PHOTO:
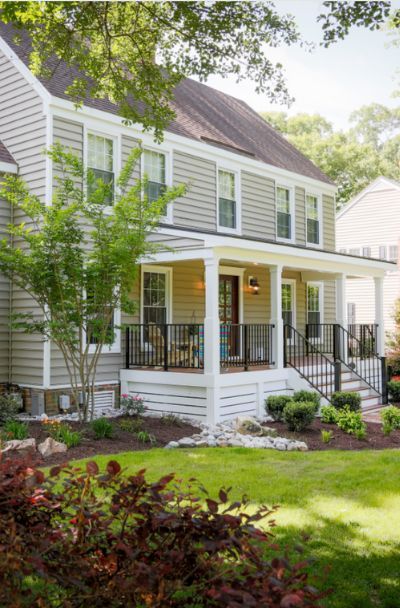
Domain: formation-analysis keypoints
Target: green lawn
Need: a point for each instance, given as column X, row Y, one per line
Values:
column 349, row 502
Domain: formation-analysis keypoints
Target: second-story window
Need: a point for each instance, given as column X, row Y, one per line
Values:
column 154, row 169
column 312, row 207
column 100, row 160
column 227, row 200
column 283, row 213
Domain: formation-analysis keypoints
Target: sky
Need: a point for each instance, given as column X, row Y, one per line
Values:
column 333, row 82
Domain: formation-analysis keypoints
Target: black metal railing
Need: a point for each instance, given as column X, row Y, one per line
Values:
column 164, row 345
column 304, row 356
column 246, row 345
column 360, row 359
column 323, row 334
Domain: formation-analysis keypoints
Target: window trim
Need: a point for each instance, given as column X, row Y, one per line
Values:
column 292, row 208
column 388, row 247
column 320, row 244
column 168, row 271
column 319, row 284
column 237, row 173
column 116, row 139
column 293, row 285
column 168, row 217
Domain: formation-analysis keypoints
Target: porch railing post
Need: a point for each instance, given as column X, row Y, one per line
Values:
column 384, row 380
column 338, row 376
column 337, row 348
column 127, row 345
column 246, row 354
column 165, row 336
column 285, row 334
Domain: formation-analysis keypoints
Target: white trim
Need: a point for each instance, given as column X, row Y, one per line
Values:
column 168, row 271
column 8, row 167
column 292, row 206
column 320, row 244
column 293, row 286
column 321, row 298
column 115, row 347
column 116, row 139
column 168, row 154
column 92, row 116
column 236, row 272
column 387, row 183
column 235, row 170
column 101, row 383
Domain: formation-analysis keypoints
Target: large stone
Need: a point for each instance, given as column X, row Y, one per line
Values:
column 187, row 442
column 171, row 445
column 247, row 425
column 19, row 445
column 50, row 446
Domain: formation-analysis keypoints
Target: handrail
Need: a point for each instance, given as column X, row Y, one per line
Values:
column 304, row 356
column 323, row 334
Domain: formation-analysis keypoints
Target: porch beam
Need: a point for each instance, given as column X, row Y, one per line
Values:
column 276, row 314
column 379, row 316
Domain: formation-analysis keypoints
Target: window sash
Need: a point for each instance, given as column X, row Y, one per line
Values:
column 393, row 253
column 100, row 153
column 154, row 297
column 313, row 299
column 284, row 225
column 227, row 213
column 382, row 252
column 312, row 231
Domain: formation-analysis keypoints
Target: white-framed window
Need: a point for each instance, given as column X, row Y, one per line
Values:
column 289, row 304
column 313, row 219
column 154, row 167
column 101, row 160
column 393, row 253
column 366, row 252
column 156, row 294
column 354, row 251
column 228, row 200
column 114, row 327
column 382, row 252
column 284, row 214
column 315, row 309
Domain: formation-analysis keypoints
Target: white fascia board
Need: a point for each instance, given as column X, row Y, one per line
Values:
column 370, row 188
column 25, row 72
column 8, row 167
column 307, row 259
column 179, row 255
column 67, row 109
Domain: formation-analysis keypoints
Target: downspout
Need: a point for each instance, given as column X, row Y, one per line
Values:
column 10, row 301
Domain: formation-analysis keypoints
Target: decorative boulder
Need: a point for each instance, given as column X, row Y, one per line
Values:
column 246, row 425
column 50, row 446
column 19, row 445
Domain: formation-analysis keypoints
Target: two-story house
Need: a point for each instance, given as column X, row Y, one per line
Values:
column 247, row 300
column 369, row 225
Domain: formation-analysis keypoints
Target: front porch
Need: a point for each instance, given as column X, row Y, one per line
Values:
column 218, row 333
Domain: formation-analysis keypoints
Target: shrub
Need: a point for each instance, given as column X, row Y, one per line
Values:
column 145, row 437
column 361, row 434
column 100, row 539
column 326, row 436
column 349, row 421
column 14, row 429
column 102, row 428
column 133, row 406
column 390, row 417
column 63, row 433
column 170, row 419
column 9, row 408
column 133, row 425
column 275, row 404
column 298, row 415
column 340, row 400
column 394, row 390
column 329, row 414
column 309, row 396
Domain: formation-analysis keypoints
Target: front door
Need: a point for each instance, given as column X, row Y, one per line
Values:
column 229, row 312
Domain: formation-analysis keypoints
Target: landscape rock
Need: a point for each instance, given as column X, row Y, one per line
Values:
column 187, row 442
column 172, row 445
column 247, row 425
column 50, row 446
column 19, row 445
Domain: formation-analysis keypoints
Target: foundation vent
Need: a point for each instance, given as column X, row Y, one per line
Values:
column 104, row 400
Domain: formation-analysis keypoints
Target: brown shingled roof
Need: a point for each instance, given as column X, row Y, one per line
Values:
column 5, row 156
column 202, row 113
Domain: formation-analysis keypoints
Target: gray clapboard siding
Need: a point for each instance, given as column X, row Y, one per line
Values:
column 328, row 221
column 300, row 215
column 5, row 216
column 258, row 206
column 23, row 131
column 198, row 207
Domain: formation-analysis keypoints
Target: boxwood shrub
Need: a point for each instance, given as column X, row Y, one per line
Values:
column 309, row 396
column 298, row 415
column 394, row 390
column 341, row 400
column 275, row 404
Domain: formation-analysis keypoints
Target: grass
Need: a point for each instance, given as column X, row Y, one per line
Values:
column 348, row 502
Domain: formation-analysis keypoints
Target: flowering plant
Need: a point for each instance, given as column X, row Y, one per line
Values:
column 132, row 405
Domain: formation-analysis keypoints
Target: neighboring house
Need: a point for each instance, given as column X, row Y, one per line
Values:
column 369, row 225
column 251, row 249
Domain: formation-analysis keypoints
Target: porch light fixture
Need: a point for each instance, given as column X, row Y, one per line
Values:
column 253, row 284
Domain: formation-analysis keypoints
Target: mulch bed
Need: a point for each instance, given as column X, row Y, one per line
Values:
column 375, row 440
column 123, row 441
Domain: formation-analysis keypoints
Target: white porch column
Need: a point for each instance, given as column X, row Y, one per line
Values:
column 276, row 313
column 379, row 316
column 341, row 305
column 211, row 321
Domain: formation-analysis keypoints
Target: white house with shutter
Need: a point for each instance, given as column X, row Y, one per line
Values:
column 369, row 226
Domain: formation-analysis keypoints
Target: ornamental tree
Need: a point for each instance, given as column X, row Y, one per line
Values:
column 78, row 259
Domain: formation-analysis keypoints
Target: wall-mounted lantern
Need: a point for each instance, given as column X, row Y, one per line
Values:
column 254, row 286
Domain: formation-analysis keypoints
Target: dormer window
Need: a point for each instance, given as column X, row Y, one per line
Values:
column 154, row 168
column 284, row 221
column 100, row 159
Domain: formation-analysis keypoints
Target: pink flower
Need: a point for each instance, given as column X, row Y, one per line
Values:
column 124, row 395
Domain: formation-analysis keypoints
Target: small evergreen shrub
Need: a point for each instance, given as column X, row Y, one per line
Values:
column 326, row 436
column 394, row 390
column 329, row 414
column 9, row 408
column 309, row 396
column 340, row 400
column 102, row 428
column 14, row 429
column 350, row 422
column 298, row 415
column 275, row 404
column 133, row 425
column 390, row 417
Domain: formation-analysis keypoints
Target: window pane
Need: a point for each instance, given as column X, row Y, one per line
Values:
column 154, row 190
column 393, row 253
column 382, row 252
column 284, row 225
column 312, row 231
column 154, row 166
column 226, row 185
column 227, row 213
column 108, row 179
column 154, row 297
column 312, row 207
column 286, row 297
column 366, row 252
column 313, row 295
column 283, row 200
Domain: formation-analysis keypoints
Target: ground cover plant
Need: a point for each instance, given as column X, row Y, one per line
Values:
column 346, row 502
column 100, row 538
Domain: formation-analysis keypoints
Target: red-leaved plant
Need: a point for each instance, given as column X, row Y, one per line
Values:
column 104, row 539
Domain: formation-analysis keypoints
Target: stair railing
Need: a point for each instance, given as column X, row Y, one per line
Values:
column 321, row 373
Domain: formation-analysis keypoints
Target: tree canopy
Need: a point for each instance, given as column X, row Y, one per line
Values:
column 352, row 158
